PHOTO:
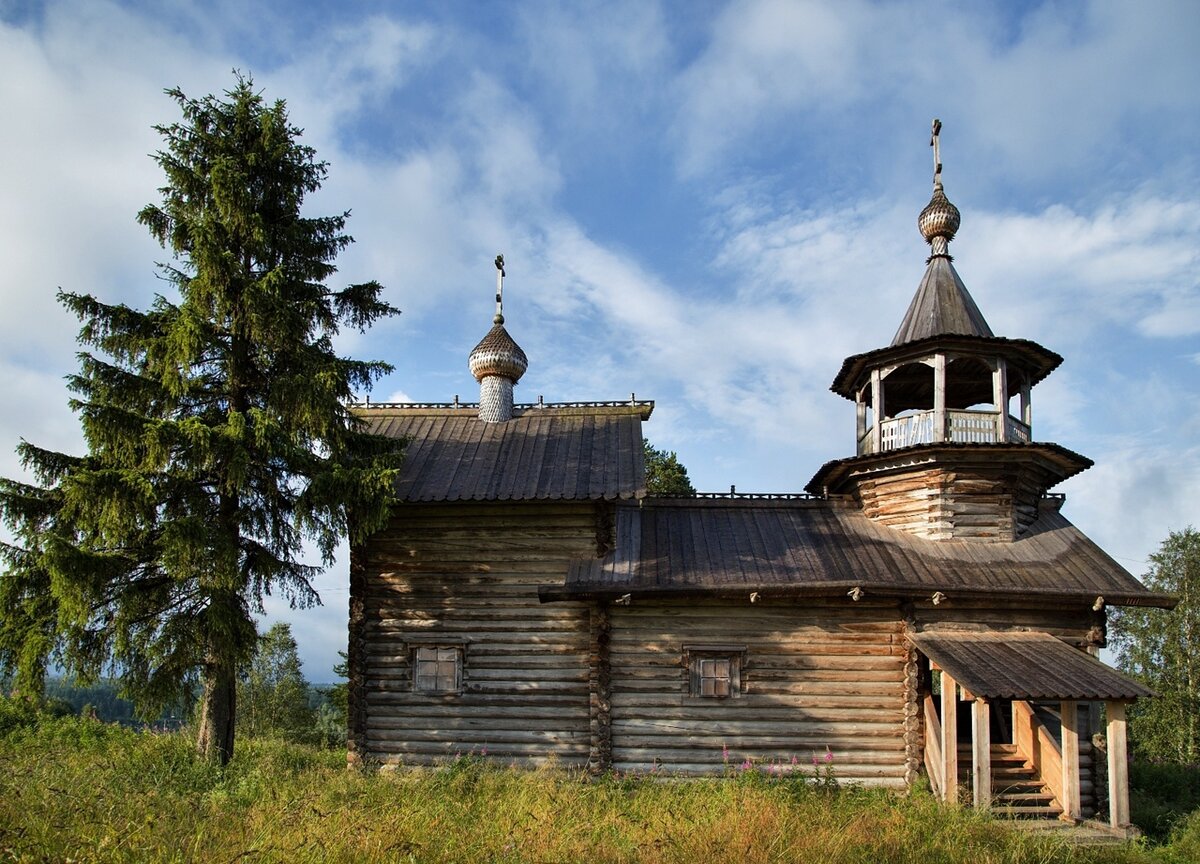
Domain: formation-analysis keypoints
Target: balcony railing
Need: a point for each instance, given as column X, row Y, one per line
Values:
column 962, row 427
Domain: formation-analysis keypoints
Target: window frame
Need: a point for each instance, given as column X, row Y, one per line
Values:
column 695, row 657
column 460, row 664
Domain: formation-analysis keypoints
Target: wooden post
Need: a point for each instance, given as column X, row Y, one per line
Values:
column 949, row 739
column 1118, row 766
column 1072, row 809
column 600, row 690
column 981, row 754
column 1026, row 408
column 356, row 659
column 877, row 409
column 860, row 425
column 939, row 397
column 1000, row 395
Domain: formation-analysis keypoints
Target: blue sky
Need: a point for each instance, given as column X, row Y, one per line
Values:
column 709, row 204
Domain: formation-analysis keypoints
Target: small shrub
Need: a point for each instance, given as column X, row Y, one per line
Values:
column 1184, row 847
column 17, row 713
column 1161, row 794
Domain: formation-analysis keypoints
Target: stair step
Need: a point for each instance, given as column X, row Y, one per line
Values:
column 1028, row 812
column 1003, row 773
column 1020, row 786
column 1025, row 798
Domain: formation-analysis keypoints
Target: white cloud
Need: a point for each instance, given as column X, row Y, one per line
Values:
column 767, row 60
column 594, row 62
column 350, row 69
column 1134, row 496
column 1038, row 95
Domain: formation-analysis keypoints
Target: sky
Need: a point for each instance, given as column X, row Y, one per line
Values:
column 708, row 204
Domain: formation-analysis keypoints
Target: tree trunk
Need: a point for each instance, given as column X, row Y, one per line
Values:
column 217, row 712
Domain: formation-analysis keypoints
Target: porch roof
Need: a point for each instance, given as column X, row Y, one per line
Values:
column 1024, row 665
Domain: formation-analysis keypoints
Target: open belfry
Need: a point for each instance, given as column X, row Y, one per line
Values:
column 922, row 608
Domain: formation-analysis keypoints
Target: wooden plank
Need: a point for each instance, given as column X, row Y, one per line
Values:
column 745, row 725
column 981, row 755
column 1072, row 809
column 933, row 747
column 466, row 738
column 767, row 706
column 949, row 742
column 876, row 409
column 1118, row 765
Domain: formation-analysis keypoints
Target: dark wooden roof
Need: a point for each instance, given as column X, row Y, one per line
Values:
column 942, row 306
column 1024, row 665
column 576, row 452
column 1049, row 463
column 797, row 548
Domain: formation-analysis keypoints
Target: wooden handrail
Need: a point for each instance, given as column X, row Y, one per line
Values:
column 933, row 747
column 1036, row 744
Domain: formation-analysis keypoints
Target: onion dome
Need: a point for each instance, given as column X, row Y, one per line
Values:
column 940, row 218
column 498, row 354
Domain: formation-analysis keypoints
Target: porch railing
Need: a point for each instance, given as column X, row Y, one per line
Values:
column 933, row 748
column 1035, row 742
column 962, row 427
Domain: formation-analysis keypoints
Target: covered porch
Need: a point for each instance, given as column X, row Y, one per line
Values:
column 1038, row 770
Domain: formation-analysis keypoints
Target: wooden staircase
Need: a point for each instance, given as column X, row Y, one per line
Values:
column 1016, row 790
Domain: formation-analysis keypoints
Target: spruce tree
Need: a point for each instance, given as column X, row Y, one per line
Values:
column 665, row 474
column 217, row 430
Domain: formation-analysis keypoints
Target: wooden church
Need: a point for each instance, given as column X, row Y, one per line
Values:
column 924, row 607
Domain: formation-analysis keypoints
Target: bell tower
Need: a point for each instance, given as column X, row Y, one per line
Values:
column 944, row 418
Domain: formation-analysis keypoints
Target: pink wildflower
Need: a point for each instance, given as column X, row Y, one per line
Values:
column 725, row 752
column 828, row 756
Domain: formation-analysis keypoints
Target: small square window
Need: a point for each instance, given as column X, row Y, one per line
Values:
column 714, row 672
column 437, row 669
column 715, row 675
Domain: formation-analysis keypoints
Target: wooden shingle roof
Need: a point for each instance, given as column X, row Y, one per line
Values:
column 797, row 548
column 576, row 452
column 1024, row 665
column 942, row 306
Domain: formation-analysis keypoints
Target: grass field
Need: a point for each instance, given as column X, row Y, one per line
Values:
column 78, row 790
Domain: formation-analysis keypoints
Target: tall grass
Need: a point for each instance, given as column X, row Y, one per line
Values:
column 76, row 790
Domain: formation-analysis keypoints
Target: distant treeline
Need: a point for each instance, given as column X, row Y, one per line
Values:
column 102, row 700
column 274, row 700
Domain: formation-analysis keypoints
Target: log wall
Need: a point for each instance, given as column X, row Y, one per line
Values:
column 815, row 679
column 989, row 502
column 467, row 574
column 1076, row 626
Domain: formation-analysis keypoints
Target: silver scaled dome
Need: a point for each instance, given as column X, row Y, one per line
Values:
column 498, row 354
column 940, row 218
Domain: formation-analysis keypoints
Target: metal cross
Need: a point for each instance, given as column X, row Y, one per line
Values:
column 937, row 154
